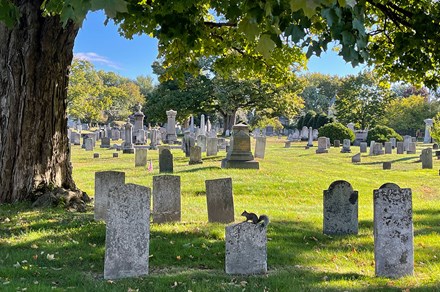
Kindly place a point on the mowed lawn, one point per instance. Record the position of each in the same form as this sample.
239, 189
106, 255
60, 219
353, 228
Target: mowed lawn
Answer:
55, 250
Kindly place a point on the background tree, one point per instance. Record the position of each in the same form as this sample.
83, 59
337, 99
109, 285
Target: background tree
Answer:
319, 91
435, 129
362, 100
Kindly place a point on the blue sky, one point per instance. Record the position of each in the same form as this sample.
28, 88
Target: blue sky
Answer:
107, 50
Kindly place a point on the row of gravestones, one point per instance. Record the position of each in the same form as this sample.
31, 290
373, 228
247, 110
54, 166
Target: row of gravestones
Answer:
126, 210
393, 224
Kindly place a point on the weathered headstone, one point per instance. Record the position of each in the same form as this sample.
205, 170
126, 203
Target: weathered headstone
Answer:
393, 142
115, 154
246, 249
426, 158
240, 155
393, 233
337, 143
340, 209
128, 146
95, 155
400, 148
372, 147
116, 134
406, 140
75, 138
260, 147
390, 186
322, 145
356, 158
166, 198
377, 148
363, 147
201, 141
411, 148
162, 147
105, 142
195, 155
287, 144
165, 161
211, 146
171, 136
88, 142
220, 200
127, 232
140, 158
435, 146
104, 182
310, 142
428, 124
388, 148
346, 146
386, 165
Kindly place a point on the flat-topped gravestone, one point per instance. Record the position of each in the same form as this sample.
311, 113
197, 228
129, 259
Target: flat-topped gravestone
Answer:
195, 155
260, 147
240, 155
95, 155
400, 148
140, 158
127, 232
104, 182
346, 146
406, 140
105, 142
393, 233
377, 149
386, 165
322, 145
211, 146
337, 143
115, 154
356, 158
411, 148
426, 158
310, 136
287, 144
165, 161
372, 143
75, 138
340, 209
246, 249
201, 141
88, 142
363, 147
393, 142
220, 200
166, 198
388, 148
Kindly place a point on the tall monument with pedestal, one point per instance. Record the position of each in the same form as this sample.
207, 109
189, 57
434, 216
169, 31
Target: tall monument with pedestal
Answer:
428, 125
171, 127
128, 146
138, 133
240, 155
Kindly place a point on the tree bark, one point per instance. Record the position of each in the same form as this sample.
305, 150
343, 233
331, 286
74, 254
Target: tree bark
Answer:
229, 121
35, 56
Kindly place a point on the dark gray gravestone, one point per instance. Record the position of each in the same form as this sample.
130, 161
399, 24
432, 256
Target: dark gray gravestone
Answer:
127, 232
390, 186
363, 147
356, 158
95, 155
426, 158
435, 146
104, 182
105, 142
400, 147
220, 200
340, 209
195, 155
165, 161
337, 143
246, 249
386, 165
166, 198
388, 148
393, 233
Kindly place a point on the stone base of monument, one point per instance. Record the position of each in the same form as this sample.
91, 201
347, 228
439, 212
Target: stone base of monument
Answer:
128, 150
251, 164
318, 151
246, 249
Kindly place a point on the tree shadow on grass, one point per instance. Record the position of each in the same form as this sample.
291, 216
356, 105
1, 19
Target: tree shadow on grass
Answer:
198, 169
392, 161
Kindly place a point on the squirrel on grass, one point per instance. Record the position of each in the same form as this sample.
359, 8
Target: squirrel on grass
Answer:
255, 219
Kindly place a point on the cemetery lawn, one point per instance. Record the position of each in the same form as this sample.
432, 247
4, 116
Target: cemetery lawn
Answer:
56, 250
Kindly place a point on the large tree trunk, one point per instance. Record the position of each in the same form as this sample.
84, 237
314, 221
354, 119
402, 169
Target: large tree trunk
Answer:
229, 121
35, 56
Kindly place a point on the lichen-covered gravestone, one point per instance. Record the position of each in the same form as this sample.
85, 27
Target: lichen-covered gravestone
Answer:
220, 200
400, 148
195, 155
356, 158
260, 147
322, 145
246, 249
104, 182
166, 198
426, 158
140, 158
363, 147
127, 232
393, 232
340, 209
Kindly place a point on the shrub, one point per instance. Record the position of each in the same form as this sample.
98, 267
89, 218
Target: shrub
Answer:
336, 131
382, 134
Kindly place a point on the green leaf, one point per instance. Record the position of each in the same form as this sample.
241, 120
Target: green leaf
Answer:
265, 45
111, 7
359, 26
297, 33
250, 28
330, 15
296, 5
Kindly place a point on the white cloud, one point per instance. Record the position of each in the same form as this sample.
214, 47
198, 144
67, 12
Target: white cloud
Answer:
95, 58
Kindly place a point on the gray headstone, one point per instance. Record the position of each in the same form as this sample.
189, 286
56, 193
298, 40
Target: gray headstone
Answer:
390, 186
377, 149
363, 147
246, 249
105, 142
356, 158
337, 143
201, 141
435, 146
287, 144
88, 142
393, 142
211, 146
372, 147
140, 158
115, 154
426, 158
162, 147
95, 155
400, 148
127, 232
340, 209
346, 146
239, 154
386, 165
260, 147
104, 182
75, 138
220, 200
165, 161
166, 198
322, 145
393, 233
406, 140
388, 148
411, 148
195, 155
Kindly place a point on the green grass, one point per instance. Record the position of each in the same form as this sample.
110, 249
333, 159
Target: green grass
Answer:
190, 255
